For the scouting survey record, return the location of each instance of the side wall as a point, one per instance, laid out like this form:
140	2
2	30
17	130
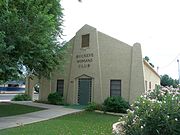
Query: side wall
30	83
48	86
151	77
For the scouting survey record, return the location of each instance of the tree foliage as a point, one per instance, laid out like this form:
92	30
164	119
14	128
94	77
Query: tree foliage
29	30
168	81
146	58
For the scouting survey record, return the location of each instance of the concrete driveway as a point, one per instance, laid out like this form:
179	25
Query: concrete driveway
52	111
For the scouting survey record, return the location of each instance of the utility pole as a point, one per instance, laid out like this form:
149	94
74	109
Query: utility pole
178	73
157	69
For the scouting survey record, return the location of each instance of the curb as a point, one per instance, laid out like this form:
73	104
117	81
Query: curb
111	113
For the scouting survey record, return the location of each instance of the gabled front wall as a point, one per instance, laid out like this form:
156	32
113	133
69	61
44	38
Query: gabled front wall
105	59
111	60
85	61
115	61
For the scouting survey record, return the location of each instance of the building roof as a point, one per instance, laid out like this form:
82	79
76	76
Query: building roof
150	67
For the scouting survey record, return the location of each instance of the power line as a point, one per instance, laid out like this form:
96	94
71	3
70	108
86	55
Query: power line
175	59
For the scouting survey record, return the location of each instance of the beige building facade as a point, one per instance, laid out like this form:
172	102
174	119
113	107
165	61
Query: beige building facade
98	66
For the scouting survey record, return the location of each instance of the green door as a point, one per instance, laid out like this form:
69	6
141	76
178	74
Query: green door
84	91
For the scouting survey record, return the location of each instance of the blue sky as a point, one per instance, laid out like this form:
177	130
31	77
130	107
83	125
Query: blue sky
155	24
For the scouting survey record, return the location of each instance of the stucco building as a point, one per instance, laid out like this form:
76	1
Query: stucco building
98	66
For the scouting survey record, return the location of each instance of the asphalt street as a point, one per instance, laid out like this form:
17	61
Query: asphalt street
8	97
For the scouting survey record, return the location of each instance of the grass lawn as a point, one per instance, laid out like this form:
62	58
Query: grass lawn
84	123
9	109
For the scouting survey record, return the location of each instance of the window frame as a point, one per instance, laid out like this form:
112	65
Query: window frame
111	85
146	85
61	91
84	43
150	85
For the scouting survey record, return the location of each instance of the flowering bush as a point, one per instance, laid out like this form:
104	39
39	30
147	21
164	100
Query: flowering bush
156	112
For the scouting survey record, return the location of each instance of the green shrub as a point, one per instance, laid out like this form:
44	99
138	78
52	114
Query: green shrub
155	113
100	107
55	98
115	104
21	97
94	106
91	106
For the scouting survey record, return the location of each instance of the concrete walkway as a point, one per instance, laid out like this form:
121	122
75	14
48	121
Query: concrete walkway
52	111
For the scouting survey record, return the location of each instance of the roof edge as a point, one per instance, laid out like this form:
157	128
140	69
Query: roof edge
151	68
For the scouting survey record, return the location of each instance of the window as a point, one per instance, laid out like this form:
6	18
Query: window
146	85
115	87
85	41
60	86
156	86
149	85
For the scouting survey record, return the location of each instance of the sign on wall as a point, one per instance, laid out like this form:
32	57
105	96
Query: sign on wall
84	60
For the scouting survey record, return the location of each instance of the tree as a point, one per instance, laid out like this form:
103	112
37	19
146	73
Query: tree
29	31
146	58
165	80
168	81
175	83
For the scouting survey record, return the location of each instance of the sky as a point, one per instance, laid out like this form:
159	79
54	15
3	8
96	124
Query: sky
155	24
